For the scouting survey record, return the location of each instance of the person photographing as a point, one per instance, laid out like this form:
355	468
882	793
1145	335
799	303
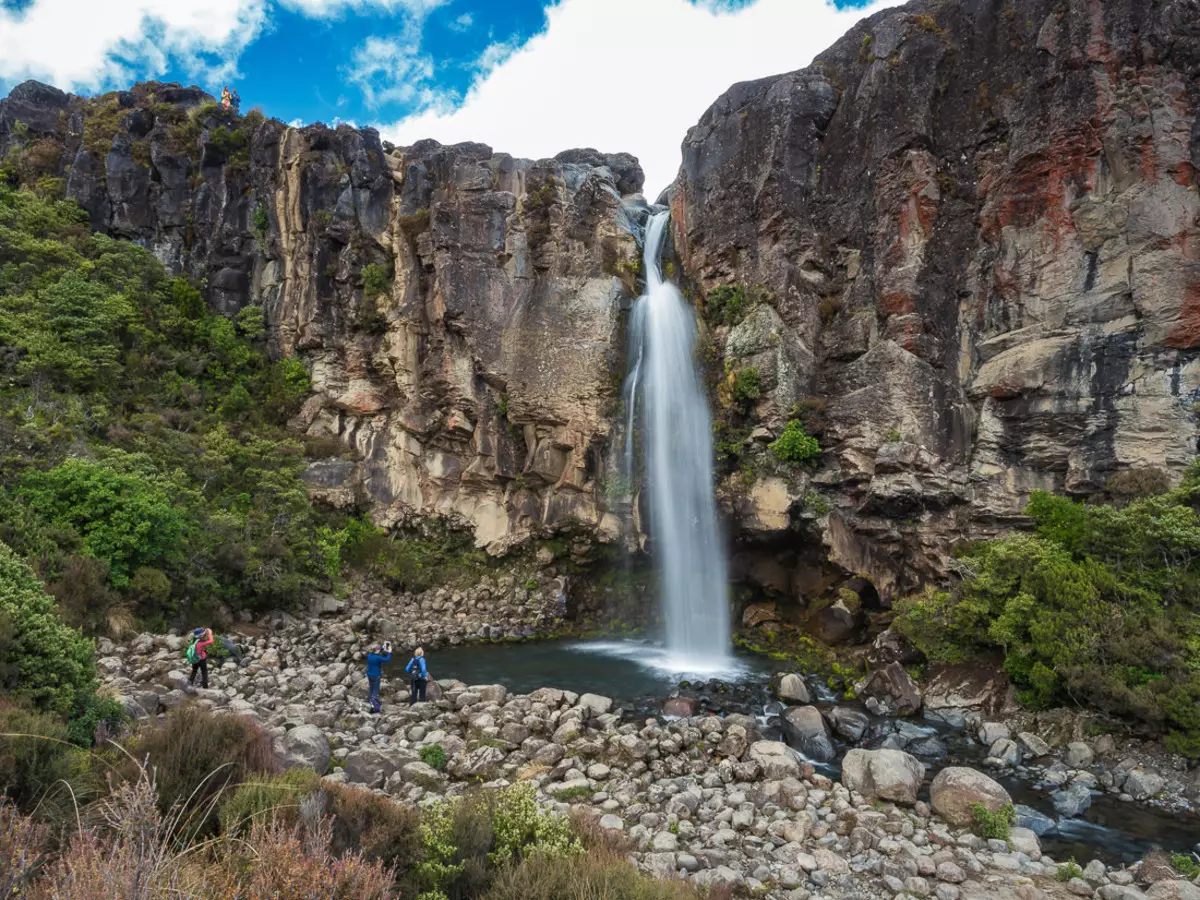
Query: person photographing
375	663
419	672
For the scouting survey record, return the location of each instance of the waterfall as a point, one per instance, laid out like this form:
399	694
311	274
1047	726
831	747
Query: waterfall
677	432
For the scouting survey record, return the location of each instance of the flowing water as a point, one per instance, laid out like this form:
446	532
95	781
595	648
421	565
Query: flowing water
688	552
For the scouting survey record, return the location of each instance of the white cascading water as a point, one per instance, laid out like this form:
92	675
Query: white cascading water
688	550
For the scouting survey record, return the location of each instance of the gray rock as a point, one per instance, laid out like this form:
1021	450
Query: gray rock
1033	744
776	760
1142	784
1079	755
883	775
956	788
1037	822
805	729
1072	800
307	745
850	724
1173	890
1006	751
793	690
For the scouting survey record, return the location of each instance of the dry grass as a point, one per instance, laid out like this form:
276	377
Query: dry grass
597	875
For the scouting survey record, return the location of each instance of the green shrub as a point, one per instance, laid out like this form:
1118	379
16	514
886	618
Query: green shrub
198	755
996	825
746	385
42	660
795	445
124	518
1068	870
727	304
434	756
267	800
1186	864
376	280
97	715
37	761
260	221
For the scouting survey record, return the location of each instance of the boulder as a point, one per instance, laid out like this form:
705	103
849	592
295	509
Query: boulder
1033	744
1037	822
835	623
595	704
980	684
370	766
1143	783
680	707
307	745
792	689
893	688
1079	755
849	723
1173	890
482	762
805	729
776	760
956	788
883	775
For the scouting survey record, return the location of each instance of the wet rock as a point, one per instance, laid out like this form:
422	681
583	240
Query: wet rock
793	690
683	707
893	688
1072	800
805	729
1037	822
850	724
836	623
955	789
883	775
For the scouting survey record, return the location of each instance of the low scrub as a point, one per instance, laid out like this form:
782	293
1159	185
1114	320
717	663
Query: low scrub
1100	605
597	874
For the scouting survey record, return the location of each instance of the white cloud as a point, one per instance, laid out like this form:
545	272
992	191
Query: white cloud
462	23
584	82
93	43
391	70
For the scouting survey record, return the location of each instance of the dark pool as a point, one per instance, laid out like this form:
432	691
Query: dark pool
631	672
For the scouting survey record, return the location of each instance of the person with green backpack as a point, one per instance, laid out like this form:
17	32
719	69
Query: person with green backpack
197	655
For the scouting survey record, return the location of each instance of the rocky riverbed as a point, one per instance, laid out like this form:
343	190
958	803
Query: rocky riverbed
706	797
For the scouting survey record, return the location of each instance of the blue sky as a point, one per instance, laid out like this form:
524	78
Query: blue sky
528	76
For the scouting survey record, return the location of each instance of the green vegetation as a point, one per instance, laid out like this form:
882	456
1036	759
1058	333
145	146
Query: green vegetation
796	445
134	424
746	385
1068	870
727	304
260	221
1186	864
43	662
996	825
1100	605
434	756
376	280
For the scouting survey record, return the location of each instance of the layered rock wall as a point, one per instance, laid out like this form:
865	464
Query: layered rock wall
977	227
458	309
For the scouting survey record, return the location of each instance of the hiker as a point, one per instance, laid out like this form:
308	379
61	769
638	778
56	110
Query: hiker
420	676
226	97
375	663
197	655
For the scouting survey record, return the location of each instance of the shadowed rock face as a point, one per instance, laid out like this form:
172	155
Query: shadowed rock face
980	224
472	375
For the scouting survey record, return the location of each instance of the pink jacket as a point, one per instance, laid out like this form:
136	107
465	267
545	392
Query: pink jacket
202	648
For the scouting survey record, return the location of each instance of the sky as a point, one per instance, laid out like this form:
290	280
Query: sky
528	77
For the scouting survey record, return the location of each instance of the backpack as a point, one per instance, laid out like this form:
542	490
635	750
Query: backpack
192	655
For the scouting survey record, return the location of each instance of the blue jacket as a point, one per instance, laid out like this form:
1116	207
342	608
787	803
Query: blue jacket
375	662
416	667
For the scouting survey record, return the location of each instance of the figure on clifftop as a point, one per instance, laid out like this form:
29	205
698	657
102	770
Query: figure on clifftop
230	99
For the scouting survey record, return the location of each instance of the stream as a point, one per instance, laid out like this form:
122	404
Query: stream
639	676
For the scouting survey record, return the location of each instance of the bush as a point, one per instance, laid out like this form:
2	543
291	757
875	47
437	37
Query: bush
376	280
122	517
996	825
1186	864
42	660
36	758
1068	870
267	801
595	874
746	385
197	756
1101	606
795	445
434	756
379	827
727	304
23	845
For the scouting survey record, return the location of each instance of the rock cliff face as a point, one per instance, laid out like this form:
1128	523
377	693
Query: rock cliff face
969	235
976	228
458	309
